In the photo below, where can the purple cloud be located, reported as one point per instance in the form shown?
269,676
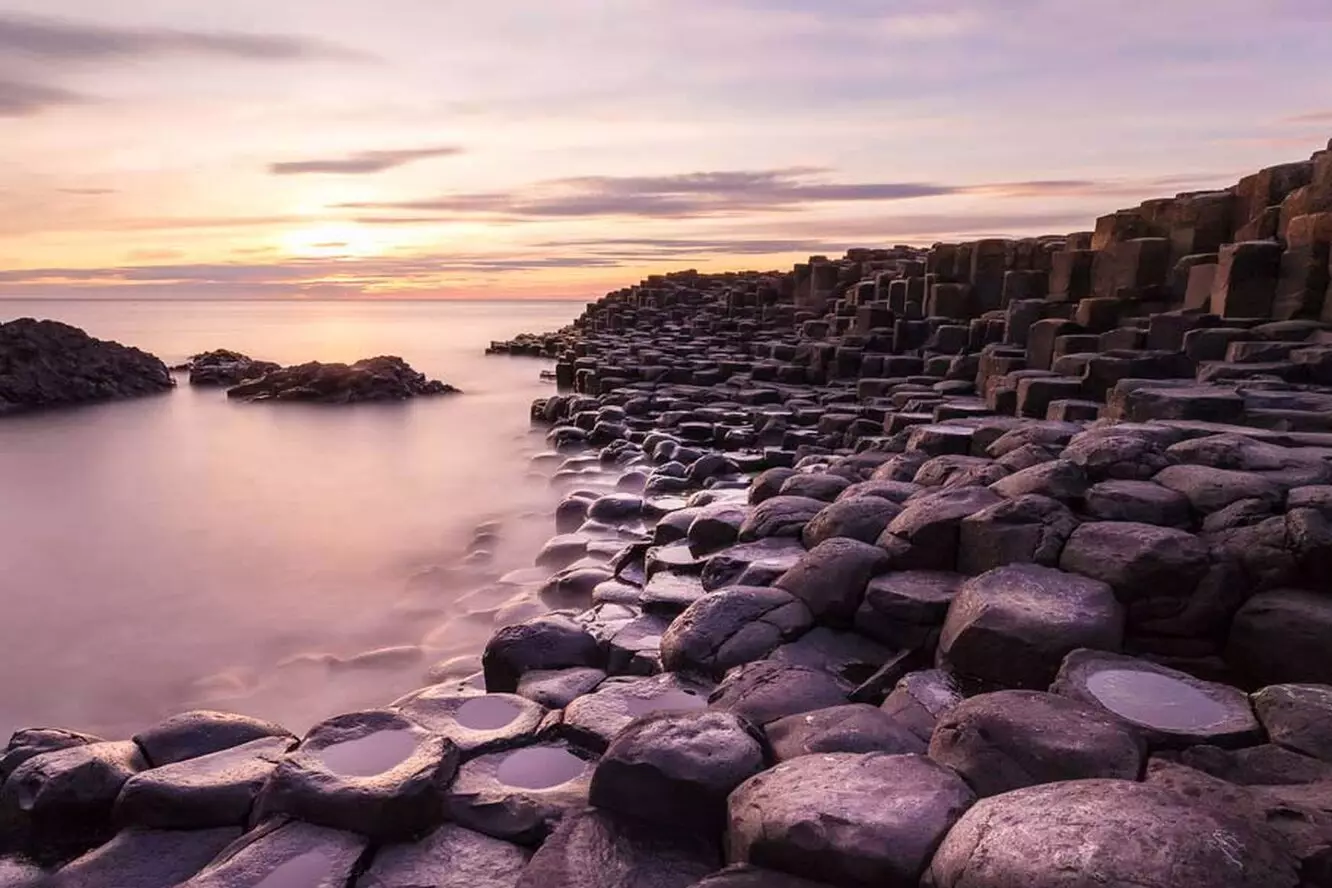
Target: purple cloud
362,162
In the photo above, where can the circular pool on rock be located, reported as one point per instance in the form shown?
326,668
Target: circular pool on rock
540,767
487,713
1155,700
370,755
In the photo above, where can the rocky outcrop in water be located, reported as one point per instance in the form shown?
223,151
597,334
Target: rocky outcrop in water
222,367
50,364
373,379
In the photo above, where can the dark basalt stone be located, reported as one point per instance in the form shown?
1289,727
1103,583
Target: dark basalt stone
814,486
31,742
1170,708
1297,717
741,564
1013,626
557,688
905,608
863,518
384,378
1011,739
831,578
49,364
1282,636
450,857
765,691
201,732
1136,560
742,875
930,525
148,858
376,773
1140,502
58,804
780,516
207,791
593,720
550,641
855,727
595,849
678,768
847,655
868,819
519,795
222,367
281,853
474,723
1111,832
920,699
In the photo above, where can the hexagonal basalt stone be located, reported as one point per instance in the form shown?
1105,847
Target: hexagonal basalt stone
1140,502
593,720
551,641
869,819
557,688
1027,529
1011,739
673,768
376,773
738,565
281,853
1298,717
1170,708
904,608
192,734
921,699
931,525
815,486
863,518
765,691
1136,560
142,858
780,516
450,857
31,742
212,790
1012,627
1283,635
475,723
731,627
1107,832
855,727
519,795
742,875
58,804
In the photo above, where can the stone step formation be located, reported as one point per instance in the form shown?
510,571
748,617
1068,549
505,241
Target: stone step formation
993,564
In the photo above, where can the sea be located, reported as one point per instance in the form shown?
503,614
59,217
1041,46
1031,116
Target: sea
287,561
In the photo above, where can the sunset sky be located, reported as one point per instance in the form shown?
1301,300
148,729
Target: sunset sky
441,148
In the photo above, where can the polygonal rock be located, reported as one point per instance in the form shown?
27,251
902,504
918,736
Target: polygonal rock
1209,490
192,734
1059,479
595,849
931,524
280,853
902,609
1141,502
1108,454
764,691
820,487
743,875
848,655
1028,529
142,858
674,768
832,577
475,723
206,791
1136,559
731,627
1282,636
855,727
1010,739
1297,717
780,516
1013,626
376,773
1170,708
1106,832
519,795
31,742
550,641
857,819
921,699
450,857
593,720
863,518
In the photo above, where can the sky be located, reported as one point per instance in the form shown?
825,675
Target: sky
562,148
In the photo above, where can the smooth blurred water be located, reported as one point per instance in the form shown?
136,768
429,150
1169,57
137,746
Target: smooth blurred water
184,550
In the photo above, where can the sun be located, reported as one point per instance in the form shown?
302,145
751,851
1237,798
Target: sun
329,240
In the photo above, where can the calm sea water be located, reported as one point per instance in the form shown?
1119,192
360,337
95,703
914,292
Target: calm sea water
182,550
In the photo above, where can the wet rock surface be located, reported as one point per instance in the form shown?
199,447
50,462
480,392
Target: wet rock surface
450,857
49,364
520,795
383,378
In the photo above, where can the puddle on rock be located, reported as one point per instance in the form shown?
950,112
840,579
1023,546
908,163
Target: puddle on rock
668,701
540,767
1157,701
486,713
368,756
305,871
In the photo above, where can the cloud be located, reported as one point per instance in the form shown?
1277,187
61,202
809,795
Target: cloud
362,162
22,99
87,192
1311,117
59,40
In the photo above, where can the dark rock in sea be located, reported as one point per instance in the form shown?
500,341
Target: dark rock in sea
678,767
450,857
49,364
596,849
201,732
212,790
148,858
282,853
58,804
375,773
871,819
222,367
1011,739
384,378
1107,832
520,795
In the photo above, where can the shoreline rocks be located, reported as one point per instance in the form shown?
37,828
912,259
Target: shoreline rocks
384,378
